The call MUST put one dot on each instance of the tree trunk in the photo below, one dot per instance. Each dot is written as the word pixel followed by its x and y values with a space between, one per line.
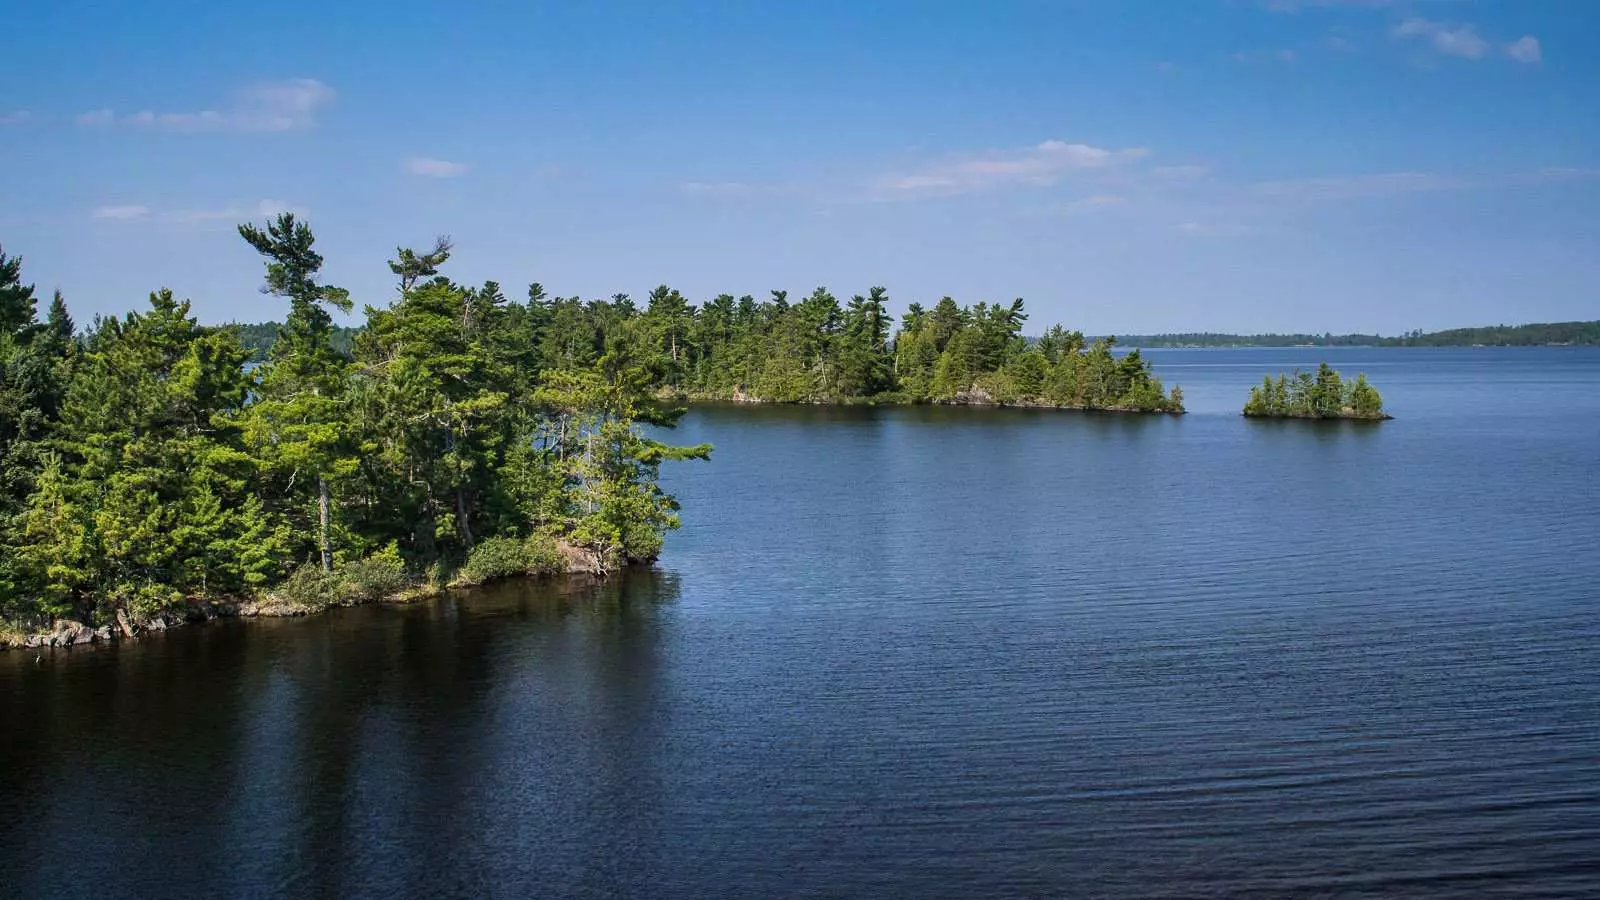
pixel 463 519
pixel 322 516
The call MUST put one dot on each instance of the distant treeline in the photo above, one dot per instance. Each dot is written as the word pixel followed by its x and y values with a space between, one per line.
pixel 1534 335
pixel 820 350
pixel 259 337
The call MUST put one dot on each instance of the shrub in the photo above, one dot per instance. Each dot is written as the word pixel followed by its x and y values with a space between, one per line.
pixel 508 557
pixel 310 587
pixel 376 577
pixel 544 557
pixel 496 557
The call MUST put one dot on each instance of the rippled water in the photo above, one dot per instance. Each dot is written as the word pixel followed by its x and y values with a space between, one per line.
pixel 918 652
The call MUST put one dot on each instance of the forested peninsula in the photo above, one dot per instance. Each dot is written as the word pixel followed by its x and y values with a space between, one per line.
pixel 817 350
pixel 1541 334
pixel 148 475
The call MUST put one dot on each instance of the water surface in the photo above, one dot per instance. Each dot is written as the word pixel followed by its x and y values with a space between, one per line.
pixel 918 652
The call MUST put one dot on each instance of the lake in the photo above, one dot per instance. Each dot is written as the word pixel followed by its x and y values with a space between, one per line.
pixel 918 652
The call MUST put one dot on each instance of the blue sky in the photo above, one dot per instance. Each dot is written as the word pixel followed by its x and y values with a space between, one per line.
pixel 1232 165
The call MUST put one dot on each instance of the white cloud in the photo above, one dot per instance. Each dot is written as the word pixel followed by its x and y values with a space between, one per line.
pixel 1451 40
pixel 1294 6
pixel 1338 43
pixel 1554 175
pixel 1095 203
pixel 1043 164
pixel 19 117
pixel 1525 50
pixel 268 209
pixel 122 213
pixel 718 188
pixel 1215 229
pixel 1353 186
pixel 266 107
pixel 1178 173
pixel 1383 184
pixel 1284 55
pixel 435 168
pixel 1390 184
pixel 233 212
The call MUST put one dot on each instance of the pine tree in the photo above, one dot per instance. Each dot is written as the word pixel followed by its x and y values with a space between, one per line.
pixel 297 422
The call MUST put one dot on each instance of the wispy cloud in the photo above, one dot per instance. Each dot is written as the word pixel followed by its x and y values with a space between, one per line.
pixel 1464 42
pixel 1383 184
pixel 270 208
pixel 1390 184
pixel 720 189
pixel 428 167
pixel 1339 43
pixel 1554 175
pixel 20 117
pixel 126 212
pixel 1294 6
pixel 1284 55
pixel 1041 165
pixel 1525 49
pixel 1460 41
pixel 1095 203
pixel 1215 229
pixel 233 212
pixel 267 107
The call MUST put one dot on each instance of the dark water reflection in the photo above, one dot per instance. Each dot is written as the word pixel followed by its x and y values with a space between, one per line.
pixel 363 753
pixel 918 652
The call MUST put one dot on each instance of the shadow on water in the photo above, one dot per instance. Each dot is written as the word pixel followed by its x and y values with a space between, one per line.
pixel 336 753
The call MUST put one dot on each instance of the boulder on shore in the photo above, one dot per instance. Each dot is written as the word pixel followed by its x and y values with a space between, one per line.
pixel 67 633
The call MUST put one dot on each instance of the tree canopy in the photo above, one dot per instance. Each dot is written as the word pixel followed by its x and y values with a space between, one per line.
pixel 146 465
pixel 821 350
pixel 1323 395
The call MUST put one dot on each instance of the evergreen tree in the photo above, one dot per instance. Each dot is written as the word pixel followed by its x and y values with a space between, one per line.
pixel 298 420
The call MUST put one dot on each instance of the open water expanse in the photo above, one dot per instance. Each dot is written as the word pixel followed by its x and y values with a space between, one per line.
pixel 921 653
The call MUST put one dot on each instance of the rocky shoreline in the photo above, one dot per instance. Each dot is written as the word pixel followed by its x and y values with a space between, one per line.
pixel 71 633
pixel 972 397
pixel 1313 417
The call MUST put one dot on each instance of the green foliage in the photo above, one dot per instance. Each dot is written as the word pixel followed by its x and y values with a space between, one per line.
pixel 258 338
pixel 375 577
pixel 310 588
pixel 1325 395
pixel 819 351
pixel 1537 334
pixel 507 557
pixel 147 466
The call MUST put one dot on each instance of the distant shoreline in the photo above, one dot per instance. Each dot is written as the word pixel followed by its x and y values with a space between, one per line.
pixel 1139 346
pixel 1537 334
pixel 259 337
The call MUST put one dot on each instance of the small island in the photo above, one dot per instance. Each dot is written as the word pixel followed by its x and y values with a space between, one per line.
pixel 1325 395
